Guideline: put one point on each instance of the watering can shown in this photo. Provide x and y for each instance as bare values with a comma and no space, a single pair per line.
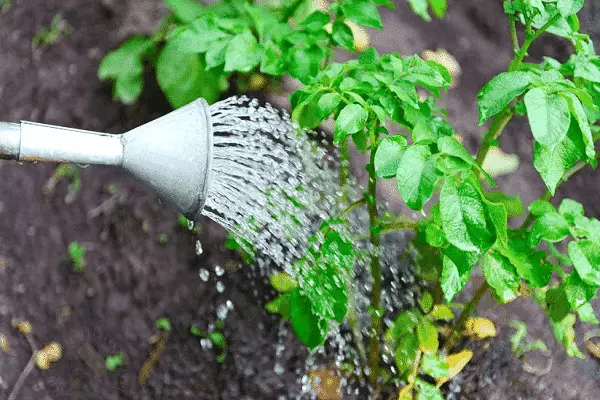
171,155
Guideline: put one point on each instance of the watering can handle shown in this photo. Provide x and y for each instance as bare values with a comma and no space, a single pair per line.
30,141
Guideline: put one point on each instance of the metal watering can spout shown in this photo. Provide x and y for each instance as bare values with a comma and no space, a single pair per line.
171,155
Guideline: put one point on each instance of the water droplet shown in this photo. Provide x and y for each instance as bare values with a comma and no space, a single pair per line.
204,274
199,249
220,287
219,271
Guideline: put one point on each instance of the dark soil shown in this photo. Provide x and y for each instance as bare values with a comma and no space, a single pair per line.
130,279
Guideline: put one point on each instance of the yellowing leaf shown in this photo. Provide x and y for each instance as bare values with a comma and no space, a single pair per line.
22,326
480,328
456,362
52,352
4,346
406,393
498,163
327,384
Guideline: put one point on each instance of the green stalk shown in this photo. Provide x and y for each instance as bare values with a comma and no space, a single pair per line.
531,37
375,237
344,177
497,126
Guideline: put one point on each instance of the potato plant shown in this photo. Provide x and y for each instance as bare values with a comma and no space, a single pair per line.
552,256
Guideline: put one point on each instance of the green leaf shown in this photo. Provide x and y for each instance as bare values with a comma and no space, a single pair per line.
589,227
464,216
585,69
280,305
125,66
551,227
540,207
420,8
427,391
512,204
126,60
580,116
282,282
308,114
351,119
450,146
557,303
428,336
570,209
439,7
553,164
342,35
585,255
456,270
530,265
272,63
403,326
114,361
198,36
215,55
569,7
565,335
315,21
500,91
435,236
502,276
426,302
406,92
183,79
417,176
305,62
218,339
388,155
577,291
185,10
309,327
243,53
587,314
164,324
328,103
434,366
549,117
442,312
406,351
363,12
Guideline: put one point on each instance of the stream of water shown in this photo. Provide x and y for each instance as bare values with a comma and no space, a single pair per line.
273,184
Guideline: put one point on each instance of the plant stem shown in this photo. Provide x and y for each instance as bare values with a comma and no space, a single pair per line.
344,169
513,34
456,334
529,39
497,126
375,236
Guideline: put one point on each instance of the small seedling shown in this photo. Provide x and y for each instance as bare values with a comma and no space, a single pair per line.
518,340
5,5
216,338
69,172
77,256
49,35
163,239
164,324
115,361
